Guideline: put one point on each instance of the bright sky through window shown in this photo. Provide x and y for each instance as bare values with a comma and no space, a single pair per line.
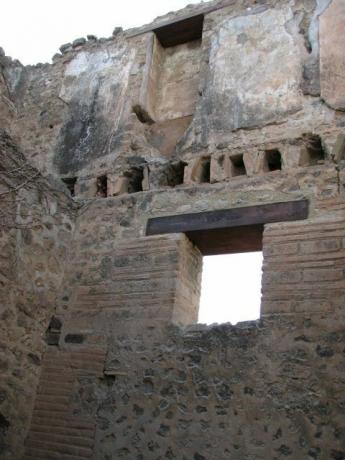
231,288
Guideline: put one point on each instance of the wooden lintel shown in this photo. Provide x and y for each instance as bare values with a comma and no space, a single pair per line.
198,12
228,218
184,31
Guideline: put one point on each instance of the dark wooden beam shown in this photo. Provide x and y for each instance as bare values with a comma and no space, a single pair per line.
229,230
201,11
180,32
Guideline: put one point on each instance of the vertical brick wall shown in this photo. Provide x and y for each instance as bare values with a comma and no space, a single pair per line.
151,278
304,263
57,431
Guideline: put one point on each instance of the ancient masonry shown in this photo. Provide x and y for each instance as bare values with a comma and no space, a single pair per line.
216,129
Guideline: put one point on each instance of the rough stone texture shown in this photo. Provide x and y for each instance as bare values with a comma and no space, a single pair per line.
36,226
100,356
332,37
256,71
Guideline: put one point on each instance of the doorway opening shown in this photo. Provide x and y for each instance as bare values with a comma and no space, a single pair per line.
231,288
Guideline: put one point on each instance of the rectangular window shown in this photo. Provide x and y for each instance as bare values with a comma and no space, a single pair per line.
231,288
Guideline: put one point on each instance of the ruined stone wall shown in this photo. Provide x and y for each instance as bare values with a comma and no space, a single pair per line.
36,226
252,113
254,81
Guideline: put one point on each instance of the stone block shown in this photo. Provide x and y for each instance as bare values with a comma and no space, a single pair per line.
86,188
220,168
325,245
338,152
117,185
196,171
332,55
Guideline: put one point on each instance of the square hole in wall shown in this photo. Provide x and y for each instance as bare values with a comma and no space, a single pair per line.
135,179
231,288
273,160
237,165
314,150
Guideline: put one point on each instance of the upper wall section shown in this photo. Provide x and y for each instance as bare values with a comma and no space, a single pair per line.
332,38
254,72
248,74
95,88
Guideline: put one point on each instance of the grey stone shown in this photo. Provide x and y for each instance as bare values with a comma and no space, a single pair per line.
78,42
117,31
65,48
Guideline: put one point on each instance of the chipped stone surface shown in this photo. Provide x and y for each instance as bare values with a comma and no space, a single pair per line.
100,353
332,38
94,87
256,71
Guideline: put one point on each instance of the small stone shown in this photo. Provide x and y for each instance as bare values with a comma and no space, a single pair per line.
324,352
91,38
56,57
117,31
339,148
79,42
65,48
2,52
74,338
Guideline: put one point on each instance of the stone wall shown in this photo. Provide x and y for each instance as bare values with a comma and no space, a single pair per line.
36,226
251,114
266,390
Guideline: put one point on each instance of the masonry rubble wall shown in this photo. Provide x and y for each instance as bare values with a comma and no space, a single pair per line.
36,226
101,356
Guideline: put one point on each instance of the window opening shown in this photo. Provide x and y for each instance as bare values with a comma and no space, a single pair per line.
231,288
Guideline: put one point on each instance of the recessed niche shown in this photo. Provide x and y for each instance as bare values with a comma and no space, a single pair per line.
102,186
176,173
169,97
273,160
70,183
237,166
135,179
205,170
312,151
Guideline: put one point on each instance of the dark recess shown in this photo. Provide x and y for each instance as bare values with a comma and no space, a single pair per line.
314,147
206,170
74,338
180,32
136,176
53,332
102,186
273,159
175,175
239,168
70,184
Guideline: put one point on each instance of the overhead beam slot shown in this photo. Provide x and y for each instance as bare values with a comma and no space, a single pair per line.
177,33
